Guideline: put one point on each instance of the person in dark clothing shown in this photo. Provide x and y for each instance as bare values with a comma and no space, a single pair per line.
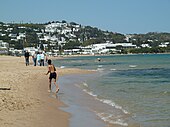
27,58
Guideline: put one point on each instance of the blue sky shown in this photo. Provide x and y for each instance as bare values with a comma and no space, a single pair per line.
123,16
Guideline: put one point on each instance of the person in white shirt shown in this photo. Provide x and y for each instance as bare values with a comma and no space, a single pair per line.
39,58
34,57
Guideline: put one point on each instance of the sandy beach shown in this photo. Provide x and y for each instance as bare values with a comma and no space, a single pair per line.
24,100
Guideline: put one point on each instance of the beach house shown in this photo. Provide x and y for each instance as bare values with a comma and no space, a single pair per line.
4,46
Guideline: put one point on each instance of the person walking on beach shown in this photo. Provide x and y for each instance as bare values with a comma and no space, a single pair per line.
46,58
53,75
42,59
39,59
34,57
27,57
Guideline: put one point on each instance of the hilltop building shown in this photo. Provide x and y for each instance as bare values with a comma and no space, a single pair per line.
4,47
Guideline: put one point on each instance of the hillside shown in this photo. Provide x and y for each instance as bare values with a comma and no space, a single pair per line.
68,35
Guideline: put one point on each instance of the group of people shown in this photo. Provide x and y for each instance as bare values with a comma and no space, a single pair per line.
37,57
40,58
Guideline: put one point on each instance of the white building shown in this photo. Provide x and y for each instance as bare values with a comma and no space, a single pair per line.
12,35
66,30
86,50
145,46
165,44
31,50
106,48
21,36
98,48
4,45
123,45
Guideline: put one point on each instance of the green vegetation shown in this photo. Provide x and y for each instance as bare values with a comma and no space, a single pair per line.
150,50
152,38
71,45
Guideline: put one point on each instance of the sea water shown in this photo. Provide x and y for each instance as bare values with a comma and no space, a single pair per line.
129,90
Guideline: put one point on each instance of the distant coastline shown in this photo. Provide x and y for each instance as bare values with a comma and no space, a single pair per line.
62,37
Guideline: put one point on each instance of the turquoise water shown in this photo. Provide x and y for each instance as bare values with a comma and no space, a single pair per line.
138,85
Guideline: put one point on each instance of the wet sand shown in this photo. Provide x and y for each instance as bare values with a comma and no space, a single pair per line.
24,100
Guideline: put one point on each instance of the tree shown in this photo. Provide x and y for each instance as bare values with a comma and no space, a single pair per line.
71,45
63,21
60,49
116,38
32,39
19,45
93,41
41,46
48,47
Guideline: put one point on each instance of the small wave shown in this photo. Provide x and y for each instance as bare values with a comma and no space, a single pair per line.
100,65
166,93
90,93
92,70
107,118
85,84
111,103
62,66
132,66
122,90
76,61
100,69
112,69
120,122
105,101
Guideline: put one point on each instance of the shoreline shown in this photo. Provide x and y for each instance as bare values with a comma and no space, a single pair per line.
27,102
99,55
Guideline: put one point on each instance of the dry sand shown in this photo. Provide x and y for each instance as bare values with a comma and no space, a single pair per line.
28,103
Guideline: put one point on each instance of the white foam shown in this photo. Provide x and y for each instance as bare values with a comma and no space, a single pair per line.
85,84
62,66
100,65
165,92
100,69
92,70
112,69
106,101
90,93
120,122
132,66
108,118
111,103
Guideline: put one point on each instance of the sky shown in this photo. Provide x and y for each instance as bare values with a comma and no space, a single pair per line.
122,16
